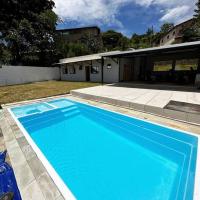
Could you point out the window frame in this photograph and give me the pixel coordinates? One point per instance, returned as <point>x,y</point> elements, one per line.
<point>72,69</point>
<point>93,70</point>
<point>65,70</point>
<point>190,65</point>
<point>109,66</point>
<point>168,63</point>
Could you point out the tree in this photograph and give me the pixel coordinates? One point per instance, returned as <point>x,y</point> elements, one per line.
<point>166,27</point>
<point>197,10</point>
<point>113,40</point>
<point>144,40</point>
<point>124,43</point>
<point>27,27</point>
<point>135,41</point>
<point>93,43</point>
<point>193,33</point>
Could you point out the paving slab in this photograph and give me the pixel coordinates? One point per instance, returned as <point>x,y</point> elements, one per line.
<point>32,192</point>
<point>148,100</point>
<point>36,166</point>
<point>23,174</point>
<point>48,187</point>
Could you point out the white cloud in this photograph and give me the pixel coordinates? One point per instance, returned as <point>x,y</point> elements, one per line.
<point>104,12</point>
<point>90,11</point>
<point>177,14</point>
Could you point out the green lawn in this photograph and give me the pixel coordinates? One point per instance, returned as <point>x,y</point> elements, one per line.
<point>15,93</point>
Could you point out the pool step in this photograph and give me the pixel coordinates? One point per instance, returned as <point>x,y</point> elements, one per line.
<point>43,123</point>
<point>54,115</point>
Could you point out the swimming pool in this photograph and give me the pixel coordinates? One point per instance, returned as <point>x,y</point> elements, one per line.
<point>97,154</point>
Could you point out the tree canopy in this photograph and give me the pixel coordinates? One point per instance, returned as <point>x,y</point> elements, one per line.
<point>193,33</point>
<point>27,30</point>
<point>27,35</point>
<point>114,40</point>
<point>166,27</point>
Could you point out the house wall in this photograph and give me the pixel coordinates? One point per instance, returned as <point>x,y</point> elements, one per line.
<point>111,75</point>
<point>96,77</point>
<point>11,75</point>
<point>78,76</point>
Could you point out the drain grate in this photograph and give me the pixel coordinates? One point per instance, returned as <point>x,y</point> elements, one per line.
<point>183,107</point>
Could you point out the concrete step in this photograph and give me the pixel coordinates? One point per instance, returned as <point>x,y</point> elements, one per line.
<point>193,118</point>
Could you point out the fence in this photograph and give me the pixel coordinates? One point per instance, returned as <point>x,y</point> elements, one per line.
<point>11,75</point>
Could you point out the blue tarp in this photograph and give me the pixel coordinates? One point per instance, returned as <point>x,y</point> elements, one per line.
<point>8,182</point>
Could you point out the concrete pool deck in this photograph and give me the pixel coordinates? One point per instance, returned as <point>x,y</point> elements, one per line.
<point>142,98</point>
<point>33,179</point>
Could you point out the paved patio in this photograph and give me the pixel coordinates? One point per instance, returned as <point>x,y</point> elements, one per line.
<point>33,179</point>
<point>147,98</point>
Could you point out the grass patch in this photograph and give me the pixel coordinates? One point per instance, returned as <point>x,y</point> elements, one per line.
<point>15,93</point>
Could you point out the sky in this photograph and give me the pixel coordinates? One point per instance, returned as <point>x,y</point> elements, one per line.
<point>125,16</point>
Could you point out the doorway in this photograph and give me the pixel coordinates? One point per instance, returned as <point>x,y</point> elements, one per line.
<point>87,73</point>
<point>128,74</point>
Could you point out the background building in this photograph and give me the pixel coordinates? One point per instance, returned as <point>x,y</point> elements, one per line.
<point>77,34</point>
<point>175,35</point>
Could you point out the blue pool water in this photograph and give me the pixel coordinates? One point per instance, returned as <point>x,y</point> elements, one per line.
<point>101,155</point>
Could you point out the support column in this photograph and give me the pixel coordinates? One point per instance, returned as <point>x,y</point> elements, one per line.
<point>102,66</point>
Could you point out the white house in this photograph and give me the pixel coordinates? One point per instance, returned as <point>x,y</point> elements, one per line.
<point>89,68</point>
<point>178,64</point>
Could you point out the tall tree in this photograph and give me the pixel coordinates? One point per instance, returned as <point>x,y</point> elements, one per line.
<point>93,43</point>
<point>197,13</point>
<point>27,28</point>
<point>193,33</point>
<point>113,40</point>
<point>166,27</point>
<point>196,27</point>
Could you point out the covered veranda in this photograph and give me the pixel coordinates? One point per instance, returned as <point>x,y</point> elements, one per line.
<point>175,64</point>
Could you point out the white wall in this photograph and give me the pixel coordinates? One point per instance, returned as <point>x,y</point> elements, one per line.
<point>78,76</point>
<point>96,77</point>
<point>11,75</point>
<point>111,75</point>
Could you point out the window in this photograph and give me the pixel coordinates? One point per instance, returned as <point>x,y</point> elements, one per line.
<point>174,32</point>
<point>65,33</point>
<point>72,70</point>
<point>168,37</point>
<point>186,64</point>
<point>94,69</point>
<point>109,66</point>
<point>162,66</point>
<point>65,70</point>
<point>80,67</point>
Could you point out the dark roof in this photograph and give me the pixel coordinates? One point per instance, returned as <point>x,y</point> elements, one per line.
<point>182,46</point>
<point>79,28</point>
